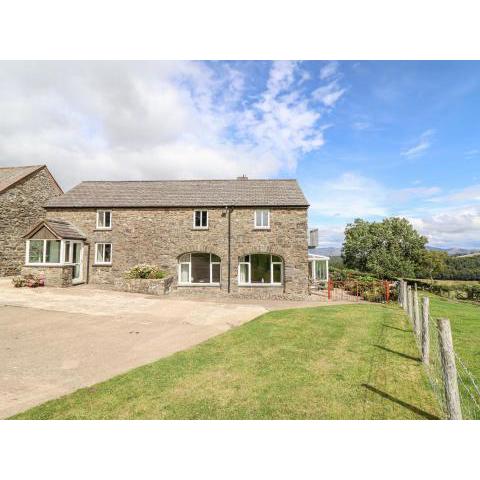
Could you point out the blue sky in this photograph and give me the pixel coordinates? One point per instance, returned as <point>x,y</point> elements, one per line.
<point>365,139</point>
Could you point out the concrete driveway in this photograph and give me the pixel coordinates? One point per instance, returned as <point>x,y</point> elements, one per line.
<point>54,341</point>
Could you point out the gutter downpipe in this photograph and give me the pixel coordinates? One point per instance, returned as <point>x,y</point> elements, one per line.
<point>229,242</point>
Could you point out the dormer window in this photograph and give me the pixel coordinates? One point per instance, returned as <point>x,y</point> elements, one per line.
<point>262,219</point>
<point>200,219</point>
<point>104,219</point>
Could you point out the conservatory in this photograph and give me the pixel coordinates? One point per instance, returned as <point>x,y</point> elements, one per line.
<point>318,268</point>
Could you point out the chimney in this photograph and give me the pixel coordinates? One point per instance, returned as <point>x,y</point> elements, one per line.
<point>243,177</point>
<point>313,238</point>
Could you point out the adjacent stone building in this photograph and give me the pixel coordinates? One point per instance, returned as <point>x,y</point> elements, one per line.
<point>23,193</point>
<point>240,237</point>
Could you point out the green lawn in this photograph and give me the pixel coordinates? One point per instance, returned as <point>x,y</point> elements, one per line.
<point>342,362</point>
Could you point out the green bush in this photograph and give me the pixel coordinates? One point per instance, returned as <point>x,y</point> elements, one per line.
<point>145,271</point>
<point>18,282</point>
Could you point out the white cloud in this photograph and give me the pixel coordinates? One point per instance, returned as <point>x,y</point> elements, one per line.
<point>361,125</point>
<point>328,70</point>
<point>329,94</point>
<point>133,120</point>
<point>421,146</point>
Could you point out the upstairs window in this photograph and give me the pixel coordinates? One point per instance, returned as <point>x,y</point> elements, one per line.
<point>262,218</point>
<point>200,219</point>
<point>104,219</point>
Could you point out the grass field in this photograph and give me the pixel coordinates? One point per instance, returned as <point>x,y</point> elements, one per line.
<point>465,321</point>
<point>342,362</point>
<point>450,283</point>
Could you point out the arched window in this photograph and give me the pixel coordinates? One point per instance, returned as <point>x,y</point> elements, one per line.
<point>199,269</point>
<point>260,268</point>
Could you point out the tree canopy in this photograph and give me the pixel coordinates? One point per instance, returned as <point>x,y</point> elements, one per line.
<point>391,248</point>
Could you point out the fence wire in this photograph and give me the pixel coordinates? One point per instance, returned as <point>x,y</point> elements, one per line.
<point>468,384</point>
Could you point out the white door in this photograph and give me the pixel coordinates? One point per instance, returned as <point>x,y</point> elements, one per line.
<point>77,260</point>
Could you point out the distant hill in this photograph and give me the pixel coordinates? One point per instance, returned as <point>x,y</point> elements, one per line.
<point>454,251</point>
<point>327,251</point>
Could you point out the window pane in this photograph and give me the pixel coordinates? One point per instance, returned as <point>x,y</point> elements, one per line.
<point>215,258</point>
<point>100,219</point>
<point>197,219</point>
<point>277,273</point>
<point>258,218</point>
<point>107,253</point>
<point>184,269</point>
<point>260,268</point>
<point>243,277</point>
<point>200,267</point>
<point>204,218</point>
<point>276,259</point>
<point>215,272</point>
<point>184,258</point>
<point>35,255</point>
<point>66,256</point>
<point>108,220</point>
<point>99,257</point>
<point>264,218</point>
<point>52,254</point>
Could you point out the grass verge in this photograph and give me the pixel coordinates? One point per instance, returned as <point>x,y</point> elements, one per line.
<point>343,362</point>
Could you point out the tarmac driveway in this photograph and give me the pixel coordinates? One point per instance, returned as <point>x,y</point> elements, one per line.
<point>54,341</point>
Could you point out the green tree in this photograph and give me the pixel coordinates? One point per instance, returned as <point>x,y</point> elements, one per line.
<point>433,264</point>
<point>391,248</point>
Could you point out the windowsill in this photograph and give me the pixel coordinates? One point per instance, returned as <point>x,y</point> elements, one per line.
<point>46,265</point>
<point>261,285</point>
<point>102,265</point>
<point>99,229</point>
<point>264,229</point>
<point>199,284</point>
<point>199,228</point>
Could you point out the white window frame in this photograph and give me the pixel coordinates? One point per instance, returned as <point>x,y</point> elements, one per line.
<point>261,227</point>
<point>249,269</point>
<point>99,213</point>
<point>190,283</point>
<point>103,255</point>
<point>202,227</point>
<point>44,252</point>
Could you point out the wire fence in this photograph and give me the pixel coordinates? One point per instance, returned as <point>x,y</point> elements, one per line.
<point>434,354</point>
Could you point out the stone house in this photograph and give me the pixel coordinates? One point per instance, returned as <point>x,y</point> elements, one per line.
<point>240,237</point>
<point>23,192</point>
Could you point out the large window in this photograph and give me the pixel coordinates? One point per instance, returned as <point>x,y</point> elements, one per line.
<point>43,251</point>
<point>103,253</point>
<point>260,269</point>
<point>318,269</point>
<point>200,219</point>
<point>262,219</point>
<point>104,219</point>
<point>199,269</point>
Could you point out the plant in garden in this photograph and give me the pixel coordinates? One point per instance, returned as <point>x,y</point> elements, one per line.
<point>18,282</point>
<point>145,271</point>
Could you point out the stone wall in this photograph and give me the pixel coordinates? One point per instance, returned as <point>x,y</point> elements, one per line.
<point>160,236</point>
<point>21,207</point>
<point>55,276</point>
<point>144,285</point>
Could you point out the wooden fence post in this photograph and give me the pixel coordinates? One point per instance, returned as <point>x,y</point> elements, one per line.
<point>405,296</point>
<point>410,302</point>
<point>400,292</point>
<point>329,289</point>
<point>386,285</point>
<point>425,331</point>
<point>416,313</point>
<point>449,368</point>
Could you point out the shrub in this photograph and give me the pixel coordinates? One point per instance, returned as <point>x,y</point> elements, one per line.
<point>18,282</point>
<point>145,271</point>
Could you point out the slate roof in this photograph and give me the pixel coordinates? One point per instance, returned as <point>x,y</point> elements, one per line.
<point>60,228</point>
<point>183,193</point>
<point>9,176</point>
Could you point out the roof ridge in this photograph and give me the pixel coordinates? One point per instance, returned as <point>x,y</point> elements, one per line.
<point>24,166</point>
<point>195,180</point>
